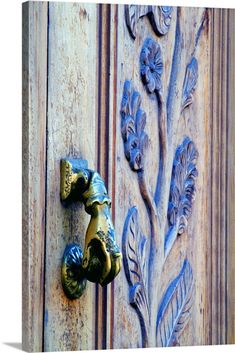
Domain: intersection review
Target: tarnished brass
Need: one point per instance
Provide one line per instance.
(101, 260)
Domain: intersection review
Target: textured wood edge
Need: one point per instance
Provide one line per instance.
(113, 112)
(104, 148)
(231, 182)
(222, 178)
(34, 83)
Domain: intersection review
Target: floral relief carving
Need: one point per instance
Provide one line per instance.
(162, 317)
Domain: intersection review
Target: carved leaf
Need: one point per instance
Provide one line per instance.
(131, 18)
(134, 259)
(190, 82)
(133, 124)
(182, 191)
(175, 308)
(159, 16)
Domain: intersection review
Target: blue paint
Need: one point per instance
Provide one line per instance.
(174, 70)
(178, 303)
(46, 317)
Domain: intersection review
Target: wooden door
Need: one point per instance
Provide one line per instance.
(145, 95)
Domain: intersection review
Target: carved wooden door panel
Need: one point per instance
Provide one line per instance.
(143, 94)
(167, 177)
(162, 150)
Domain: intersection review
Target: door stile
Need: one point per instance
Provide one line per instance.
(230, 290)
(220, 194)
(34, 95)
(103, 149)
(111, 182)
(72, 125)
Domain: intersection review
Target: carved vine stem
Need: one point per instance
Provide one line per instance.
(151, 68)
(150, 205)
(174, 110)
(136, 141)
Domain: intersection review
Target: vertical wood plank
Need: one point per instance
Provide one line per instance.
(104, 148)
(231, 182)
(111, 183)
(34, 80)
(72, 132)
(222, 178)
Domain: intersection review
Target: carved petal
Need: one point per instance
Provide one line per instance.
(151, 65)
(175, 308)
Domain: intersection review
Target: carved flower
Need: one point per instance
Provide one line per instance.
(151, 65)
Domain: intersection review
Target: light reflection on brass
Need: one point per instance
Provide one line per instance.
(102, 259)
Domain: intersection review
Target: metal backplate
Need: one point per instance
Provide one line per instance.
(72, 273)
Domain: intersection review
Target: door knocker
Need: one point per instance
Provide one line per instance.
(101, 259)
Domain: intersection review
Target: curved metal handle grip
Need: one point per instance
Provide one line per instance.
(101, 258)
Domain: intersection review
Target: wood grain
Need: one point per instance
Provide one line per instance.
(72, 132)
(34, 92)
(230, 290)
(103, 148)
(76, 59)
(194, 123)
(222, 174)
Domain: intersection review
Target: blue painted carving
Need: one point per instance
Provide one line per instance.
(175, 308)
(182, 190)
(134, 258)
(159, 17)
(190, 82)
(132, 126)
(164, 322)
(151, 65)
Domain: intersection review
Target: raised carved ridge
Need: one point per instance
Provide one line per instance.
(175, 308)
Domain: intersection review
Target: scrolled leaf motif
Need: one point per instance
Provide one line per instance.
(182, 190)
(159, 17)
(151, 65)
(133, 123)
(190, 82)
(175, 308)
(134, 259)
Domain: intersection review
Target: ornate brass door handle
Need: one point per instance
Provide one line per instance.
(101, 259)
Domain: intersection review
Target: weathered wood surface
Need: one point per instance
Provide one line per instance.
(34, 78)
(72, 105)
(222, 245)
(230, 289)
(193, 122)
(72, 132)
